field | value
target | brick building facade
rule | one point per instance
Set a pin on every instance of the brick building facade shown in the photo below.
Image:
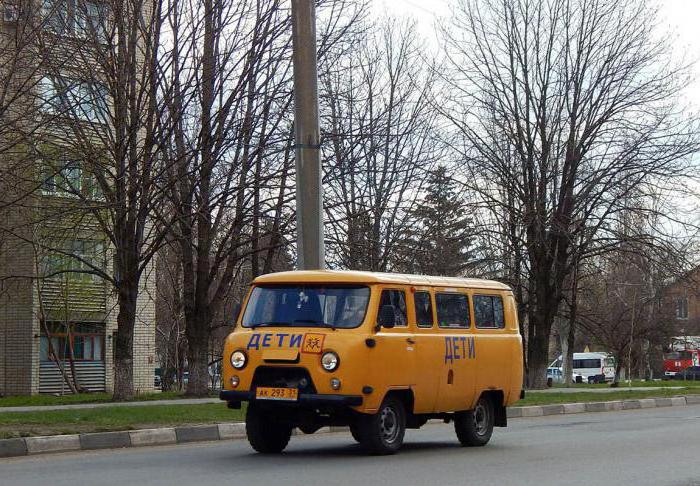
(683, 297)
(50, 317)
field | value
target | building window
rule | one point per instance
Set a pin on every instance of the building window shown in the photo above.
(84, 19)
(82, 100)
(66, 180)
(86, 340)
(55, 15)
(75, 260)
(682, 308)
(91, 20)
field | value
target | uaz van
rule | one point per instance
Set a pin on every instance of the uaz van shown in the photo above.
(375, 352)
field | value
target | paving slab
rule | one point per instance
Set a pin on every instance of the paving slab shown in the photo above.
(57, 443)
(514, 412)
(574, 407)
(196, 433)
(692, 399)
(13, 447)
(631, 405)
(663, 402)
(105, 440)
(647, 402)
(552, 409)
(231, 431)
(145, 437)
(535, 411)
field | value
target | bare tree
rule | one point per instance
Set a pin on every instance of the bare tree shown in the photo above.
(231, 143)
(380, 130)
(622, 309)
(566, 107)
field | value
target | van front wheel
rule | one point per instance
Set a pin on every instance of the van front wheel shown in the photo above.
(266, 435)
(383, 432)
(474, 427)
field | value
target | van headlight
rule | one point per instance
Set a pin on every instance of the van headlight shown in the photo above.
(330, 361)
(238, 359)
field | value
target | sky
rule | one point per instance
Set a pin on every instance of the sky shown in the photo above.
(681, 18)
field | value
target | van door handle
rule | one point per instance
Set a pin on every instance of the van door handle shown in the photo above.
(410, 341)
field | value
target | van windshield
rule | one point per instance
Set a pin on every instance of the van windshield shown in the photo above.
(335, 306)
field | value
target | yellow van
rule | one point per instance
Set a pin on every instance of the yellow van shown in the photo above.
(377, 352)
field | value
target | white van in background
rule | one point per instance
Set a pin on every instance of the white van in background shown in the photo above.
(591, 367)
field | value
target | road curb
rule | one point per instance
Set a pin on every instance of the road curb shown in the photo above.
(24, 446)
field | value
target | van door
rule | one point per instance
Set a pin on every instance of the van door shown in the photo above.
(428, 350)
(395, 364)
(457, 380)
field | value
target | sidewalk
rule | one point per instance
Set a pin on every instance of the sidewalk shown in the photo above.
(604, 390)
(80, 406)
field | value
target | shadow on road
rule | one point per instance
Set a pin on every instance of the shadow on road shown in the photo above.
(304, 452)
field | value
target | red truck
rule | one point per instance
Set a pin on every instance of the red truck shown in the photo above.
(675, 361)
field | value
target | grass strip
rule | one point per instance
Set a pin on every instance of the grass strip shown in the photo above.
(534, 398)
(46, 400)
(636, 383)
(52, 422)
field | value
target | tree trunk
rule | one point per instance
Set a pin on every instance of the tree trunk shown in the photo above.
(124, 341)
(541, 320)
(198, 353)
(618, 370)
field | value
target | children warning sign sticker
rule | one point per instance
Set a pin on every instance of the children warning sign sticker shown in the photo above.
(313, 343)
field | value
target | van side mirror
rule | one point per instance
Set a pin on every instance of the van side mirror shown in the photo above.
(387, 317)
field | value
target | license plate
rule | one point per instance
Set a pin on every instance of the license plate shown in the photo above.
(271, 393)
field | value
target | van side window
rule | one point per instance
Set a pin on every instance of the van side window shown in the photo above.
(452, 310)
(397, 298)
(424, 309)
(488, 312)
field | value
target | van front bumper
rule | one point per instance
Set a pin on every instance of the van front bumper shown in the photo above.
(312, 399)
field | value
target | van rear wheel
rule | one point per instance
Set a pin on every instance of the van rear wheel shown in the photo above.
(383, 432)
(266, 435)
(474, 427)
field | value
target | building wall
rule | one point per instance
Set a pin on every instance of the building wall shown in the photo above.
(17, 312)
(21, 300)
(145, 333)
(688, 289)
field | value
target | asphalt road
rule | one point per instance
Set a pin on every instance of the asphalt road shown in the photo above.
(654, 446)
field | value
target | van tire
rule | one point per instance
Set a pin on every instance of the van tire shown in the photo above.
(382, 433)
(266, 435)
(474, 427)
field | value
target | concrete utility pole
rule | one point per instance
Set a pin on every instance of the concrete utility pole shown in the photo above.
(307, 137)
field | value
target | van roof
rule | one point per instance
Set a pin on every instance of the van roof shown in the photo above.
(345, 276)
(592, 354)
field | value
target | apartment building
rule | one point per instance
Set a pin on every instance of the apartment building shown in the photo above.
(683, 298)
(57, 318)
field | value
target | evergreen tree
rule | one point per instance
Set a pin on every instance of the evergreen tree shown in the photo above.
(441, 241)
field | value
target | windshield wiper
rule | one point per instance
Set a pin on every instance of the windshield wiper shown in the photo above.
(315, 323)
(269, 323)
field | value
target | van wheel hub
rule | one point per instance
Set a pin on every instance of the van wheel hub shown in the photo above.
(389, 425)
(481, 419)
